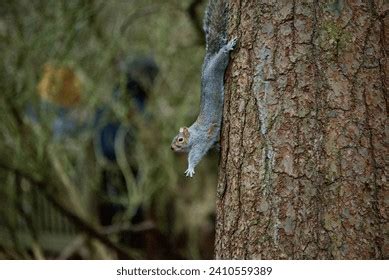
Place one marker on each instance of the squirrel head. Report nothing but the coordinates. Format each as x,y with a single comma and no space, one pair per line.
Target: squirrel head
181,143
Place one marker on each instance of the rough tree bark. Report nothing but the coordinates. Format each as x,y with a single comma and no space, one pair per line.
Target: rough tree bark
304,138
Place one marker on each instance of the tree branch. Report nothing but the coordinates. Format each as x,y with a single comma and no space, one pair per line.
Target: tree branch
75,219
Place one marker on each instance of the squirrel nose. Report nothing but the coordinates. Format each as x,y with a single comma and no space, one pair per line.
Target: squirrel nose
171,147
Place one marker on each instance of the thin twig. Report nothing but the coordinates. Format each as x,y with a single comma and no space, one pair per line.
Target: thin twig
145,226
138,14
72,247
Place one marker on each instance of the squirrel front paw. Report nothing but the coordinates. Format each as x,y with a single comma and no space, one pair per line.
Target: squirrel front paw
189,172
231,44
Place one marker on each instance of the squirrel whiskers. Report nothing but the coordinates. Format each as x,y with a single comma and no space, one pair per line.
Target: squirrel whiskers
205,131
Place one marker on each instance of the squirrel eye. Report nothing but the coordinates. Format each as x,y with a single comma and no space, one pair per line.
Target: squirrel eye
180,139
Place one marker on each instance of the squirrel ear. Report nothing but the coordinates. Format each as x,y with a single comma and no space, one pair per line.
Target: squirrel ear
185,131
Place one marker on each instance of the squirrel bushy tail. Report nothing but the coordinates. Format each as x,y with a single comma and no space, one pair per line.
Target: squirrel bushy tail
215,25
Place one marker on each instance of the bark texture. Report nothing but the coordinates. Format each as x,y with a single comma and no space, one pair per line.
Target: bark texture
304,138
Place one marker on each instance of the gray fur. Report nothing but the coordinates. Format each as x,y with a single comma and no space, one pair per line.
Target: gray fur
215,25
205,131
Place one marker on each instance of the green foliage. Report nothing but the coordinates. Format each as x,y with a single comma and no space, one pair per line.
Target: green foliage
90,37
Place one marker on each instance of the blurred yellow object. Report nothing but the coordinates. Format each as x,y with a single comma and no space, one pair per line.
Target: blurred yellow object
60,85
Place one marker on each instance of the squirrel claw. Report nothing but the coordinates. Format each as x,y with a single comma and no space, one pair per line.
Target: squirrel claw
231,44
189,172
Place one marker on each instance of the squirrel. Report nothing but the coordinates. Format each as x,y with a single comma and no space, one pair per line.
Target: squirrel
205,131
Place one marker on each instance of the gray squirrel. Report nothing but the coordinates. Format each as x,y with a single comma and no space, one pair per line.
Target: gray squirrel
205,131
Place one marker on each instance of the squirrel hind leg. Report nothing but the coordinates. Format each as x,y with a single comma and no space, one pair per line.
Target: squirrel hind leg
231,44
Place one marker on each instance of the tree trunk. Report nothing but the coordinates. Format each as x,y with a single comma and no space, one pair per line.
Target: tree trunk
302,170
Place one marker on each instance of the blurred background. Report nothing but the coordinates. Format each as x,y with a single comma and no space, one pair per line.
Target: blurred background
92,93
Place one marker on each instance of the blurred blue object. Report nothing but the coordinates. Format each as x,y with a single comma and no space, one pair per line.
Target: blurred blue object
105,140
64,120
140,76
64,125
